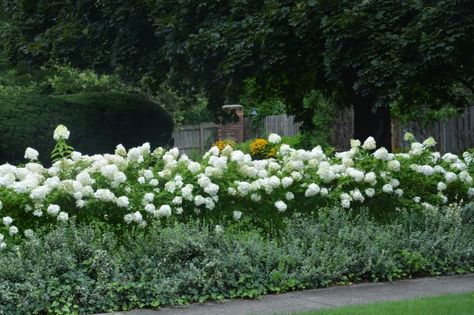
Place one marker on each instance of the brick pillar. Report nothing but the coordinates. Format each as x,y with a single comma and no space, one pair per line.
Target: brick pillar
232,130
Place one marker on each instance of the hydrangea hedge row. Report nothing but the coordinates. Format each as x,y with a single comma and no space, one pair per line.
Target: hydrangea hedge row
133,187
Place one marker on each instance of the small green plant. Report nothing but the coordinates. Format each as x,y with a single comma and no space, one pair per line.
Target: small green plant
61,149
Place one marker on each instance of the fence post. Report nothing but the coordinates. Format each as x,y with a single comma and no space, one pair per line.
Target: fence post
201,137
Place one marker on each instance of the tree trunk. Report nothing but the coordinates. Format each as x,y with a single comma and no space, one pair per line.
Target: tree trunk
369,123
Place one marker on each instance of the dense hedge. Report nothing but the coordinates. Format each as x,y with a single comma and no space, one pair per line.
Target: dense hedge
97,121
90,269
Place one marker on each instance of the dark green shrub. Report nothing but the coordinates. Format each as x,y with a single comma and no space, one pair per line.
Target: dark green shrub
97,121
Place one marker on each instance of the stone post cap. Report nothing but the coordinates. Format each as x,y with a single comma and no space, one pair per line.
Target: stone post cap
233,106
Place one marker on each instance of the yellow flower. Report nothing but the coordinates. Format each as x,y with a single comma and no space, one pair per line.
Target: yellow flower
221,144
258,147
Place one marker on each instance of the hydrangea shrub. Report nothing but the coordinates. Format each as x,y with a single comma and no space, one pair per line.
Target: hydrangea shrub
133,187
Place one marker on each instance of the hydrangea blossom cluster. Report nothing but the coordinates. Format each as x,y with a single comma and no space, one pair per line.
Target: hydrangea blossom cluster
135,186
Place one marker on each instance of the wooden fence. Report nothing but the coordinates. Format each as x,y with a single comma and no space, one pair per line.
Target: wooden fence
282,125
452,135
197,137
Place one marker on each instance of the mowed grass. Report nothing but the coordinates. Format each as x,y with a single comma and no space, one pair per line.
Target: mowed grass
452,304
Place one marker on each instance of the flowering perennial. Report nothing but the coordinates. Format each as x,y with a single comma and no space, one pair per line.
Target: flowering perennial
138,185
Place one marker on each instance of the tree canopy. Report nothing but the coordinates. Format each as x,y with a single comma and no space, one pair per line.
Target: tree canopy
416,55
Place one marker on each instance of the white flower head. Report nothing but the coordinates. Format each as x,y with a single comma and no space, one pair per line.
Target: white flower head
7,220
236,215
61,132
408,136
164,211
355,143
312,190
430,142
53,209
62,216
31,154
281,206
122,202
394,166
28,233
13,230
369,144
274,138
441,186
218,229
370,192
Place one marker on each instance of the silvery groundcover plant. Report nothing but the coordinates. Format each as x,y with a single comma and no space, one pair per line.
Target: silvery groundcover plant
133,187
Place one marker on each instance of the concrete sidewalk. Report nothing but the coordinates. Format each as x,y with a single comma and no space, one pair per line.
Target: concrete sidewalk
325,298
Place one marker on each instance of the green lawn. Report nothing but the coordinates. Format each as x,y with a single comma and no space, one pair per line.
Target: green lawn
453,304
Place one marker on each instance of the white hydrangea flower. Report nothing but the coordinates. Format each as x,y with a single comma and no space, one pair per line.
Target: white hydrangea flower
13,230
346,203
53,209
430,142
122,202
164,211
62,216
312,190
370,178
255,197
128,218
381,154
370,192
289,196
1,205
7,220
441,186
38,213
369,144
416,148
105,195
387,188
218,229
137,217
274,138
281,205
150,208
177,200
61,132
408,136
465,177
28,233
31,154
286,182
237,215
394,166
470,192
357,195
355,143
194,167
120,150
450,177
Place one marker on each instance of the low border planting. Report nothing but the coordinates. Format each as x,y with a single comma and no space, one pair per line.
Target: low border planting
91,268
